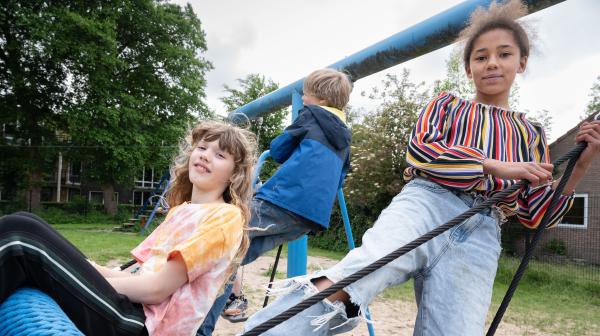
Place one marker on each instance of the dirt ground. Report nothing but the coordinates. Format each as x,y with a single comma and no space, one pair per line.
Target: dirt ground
392,317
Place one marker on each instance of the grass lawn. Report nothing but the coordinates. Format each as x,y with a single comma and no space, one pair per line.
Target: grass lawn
99,243
548,297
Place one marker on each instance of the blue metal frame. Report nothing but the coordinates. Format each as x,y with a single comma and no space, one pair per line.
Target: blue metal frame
261,160
431,34
346,219
434,33
156,206
350,240
297,249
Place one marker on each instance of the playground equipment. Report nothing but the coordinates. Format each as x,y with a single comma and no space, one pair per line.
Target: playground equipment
436,32
429,35
141,219
31,312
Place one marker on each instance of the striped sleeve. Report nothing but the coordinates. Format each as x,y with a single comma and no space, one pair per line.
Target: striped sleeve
533,203
454,166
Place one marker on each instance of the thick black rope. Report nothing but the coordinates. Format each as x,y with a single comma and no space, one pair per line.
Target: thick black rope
572,155
272,275
127,264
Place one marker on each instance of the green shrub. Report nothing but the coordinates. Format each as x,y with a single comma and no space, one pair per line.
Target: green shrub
334,239
66,213
556,246
513,233
10,207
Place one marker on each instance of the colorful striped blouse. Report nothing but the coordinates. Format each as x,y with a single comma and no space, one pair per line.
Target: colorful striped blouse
452,138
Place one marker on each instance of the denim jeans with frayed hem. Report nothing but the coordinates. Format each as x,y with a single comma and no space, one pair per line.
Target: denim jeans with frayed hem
453,273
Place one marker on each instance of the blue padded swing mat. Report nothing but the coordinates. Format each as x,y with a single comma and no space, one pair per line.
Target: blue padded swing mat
31,312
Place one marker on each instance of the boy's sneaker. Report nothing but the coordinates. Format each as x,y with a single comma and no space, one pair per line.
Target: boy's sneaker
235,310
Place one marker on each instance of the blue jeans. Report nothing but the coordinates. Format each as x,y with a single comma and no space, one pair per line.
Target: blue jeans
275,226
453,273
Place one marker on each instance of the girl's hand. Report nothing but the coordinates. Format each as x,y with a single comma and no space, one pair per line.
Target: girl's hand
536,173
588,132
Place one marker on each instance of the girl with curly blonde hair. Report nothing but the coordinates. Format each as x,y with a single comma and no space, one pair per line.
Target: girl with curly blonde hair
183,263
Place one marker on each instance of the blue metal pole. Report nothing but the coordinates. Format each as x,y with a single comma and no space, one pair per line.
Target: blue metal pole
346,219
350,240
158,204
436,32
261,161
297,249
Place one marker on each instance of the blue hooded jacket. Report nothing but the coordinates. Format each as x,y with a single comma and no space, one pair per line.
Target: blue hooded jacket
315,155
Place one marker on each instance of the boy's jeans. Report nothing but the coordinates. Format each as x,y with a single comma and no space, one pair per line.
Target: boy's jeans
453,272
275,226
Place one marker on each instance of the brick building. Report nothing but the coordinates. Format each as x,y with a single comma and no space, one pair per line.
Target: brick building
69,185
580,228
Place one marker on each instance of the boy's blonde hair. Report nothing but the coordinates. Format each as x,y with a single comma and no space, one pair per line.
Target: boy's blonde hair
330,85
241,144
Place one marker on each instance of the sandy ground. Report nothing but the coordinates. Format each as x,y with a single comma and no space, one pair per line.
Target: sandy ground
393,317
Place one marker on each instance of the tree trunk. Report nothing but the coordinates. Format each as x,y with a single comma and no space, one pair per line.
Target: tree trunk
34,193
110,203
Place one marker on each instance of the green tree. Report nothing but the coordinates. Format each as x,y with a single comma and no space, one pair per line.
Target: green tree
252,87
379,143
123,79
140,82
593,105
543,118
456,80
34,87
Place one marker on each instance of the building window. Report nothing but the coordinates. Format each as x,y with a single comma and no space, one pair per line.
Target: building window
577,217
7,195
46,194
73,194
146,180
74,173
98,197
139,197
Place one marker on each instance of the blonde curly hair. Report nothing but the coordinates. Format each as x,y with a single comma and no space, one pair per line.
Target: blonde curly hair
241,144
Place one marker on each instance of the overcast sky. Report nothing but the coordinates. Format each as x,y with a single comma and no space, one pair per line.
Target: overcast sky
286,40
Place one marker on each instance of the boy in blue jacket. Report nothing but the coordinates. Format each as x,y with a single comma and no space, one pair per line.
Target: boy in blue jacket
314,153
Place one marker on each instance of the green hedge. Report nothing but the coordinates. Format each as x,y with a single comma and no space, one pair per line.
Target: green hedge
73,212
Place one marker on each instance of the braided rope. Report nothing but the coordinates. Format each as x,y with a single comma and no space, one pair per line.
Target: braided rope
572,156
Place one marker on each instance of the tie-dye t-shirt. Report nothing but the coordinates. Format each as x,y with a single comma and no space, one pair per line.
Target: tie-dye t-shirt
207,236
